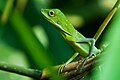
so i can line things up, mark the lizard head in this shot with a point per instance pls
(57, 18)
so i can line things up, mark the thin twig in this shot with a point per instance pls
(34, 73)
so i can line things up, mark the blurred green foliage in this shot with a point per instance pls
(28, 40)
(111, 66)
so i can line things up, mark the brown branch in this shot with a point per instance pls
(70, 72)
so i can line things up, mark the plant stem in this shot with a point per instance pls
(107, 20)
(33, 73)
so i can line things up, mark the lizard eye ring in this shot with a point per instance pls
(51, 13)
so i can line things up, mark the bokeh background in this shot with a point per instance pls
(28, 40)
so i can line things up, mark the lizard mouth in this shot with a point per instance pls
(59, 27)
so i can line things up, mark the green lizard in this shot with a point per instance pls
(82, 45)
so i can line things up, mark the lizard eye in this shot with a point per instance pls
(51, 13)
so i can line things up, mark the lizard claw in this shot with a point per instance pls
(61, 68)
